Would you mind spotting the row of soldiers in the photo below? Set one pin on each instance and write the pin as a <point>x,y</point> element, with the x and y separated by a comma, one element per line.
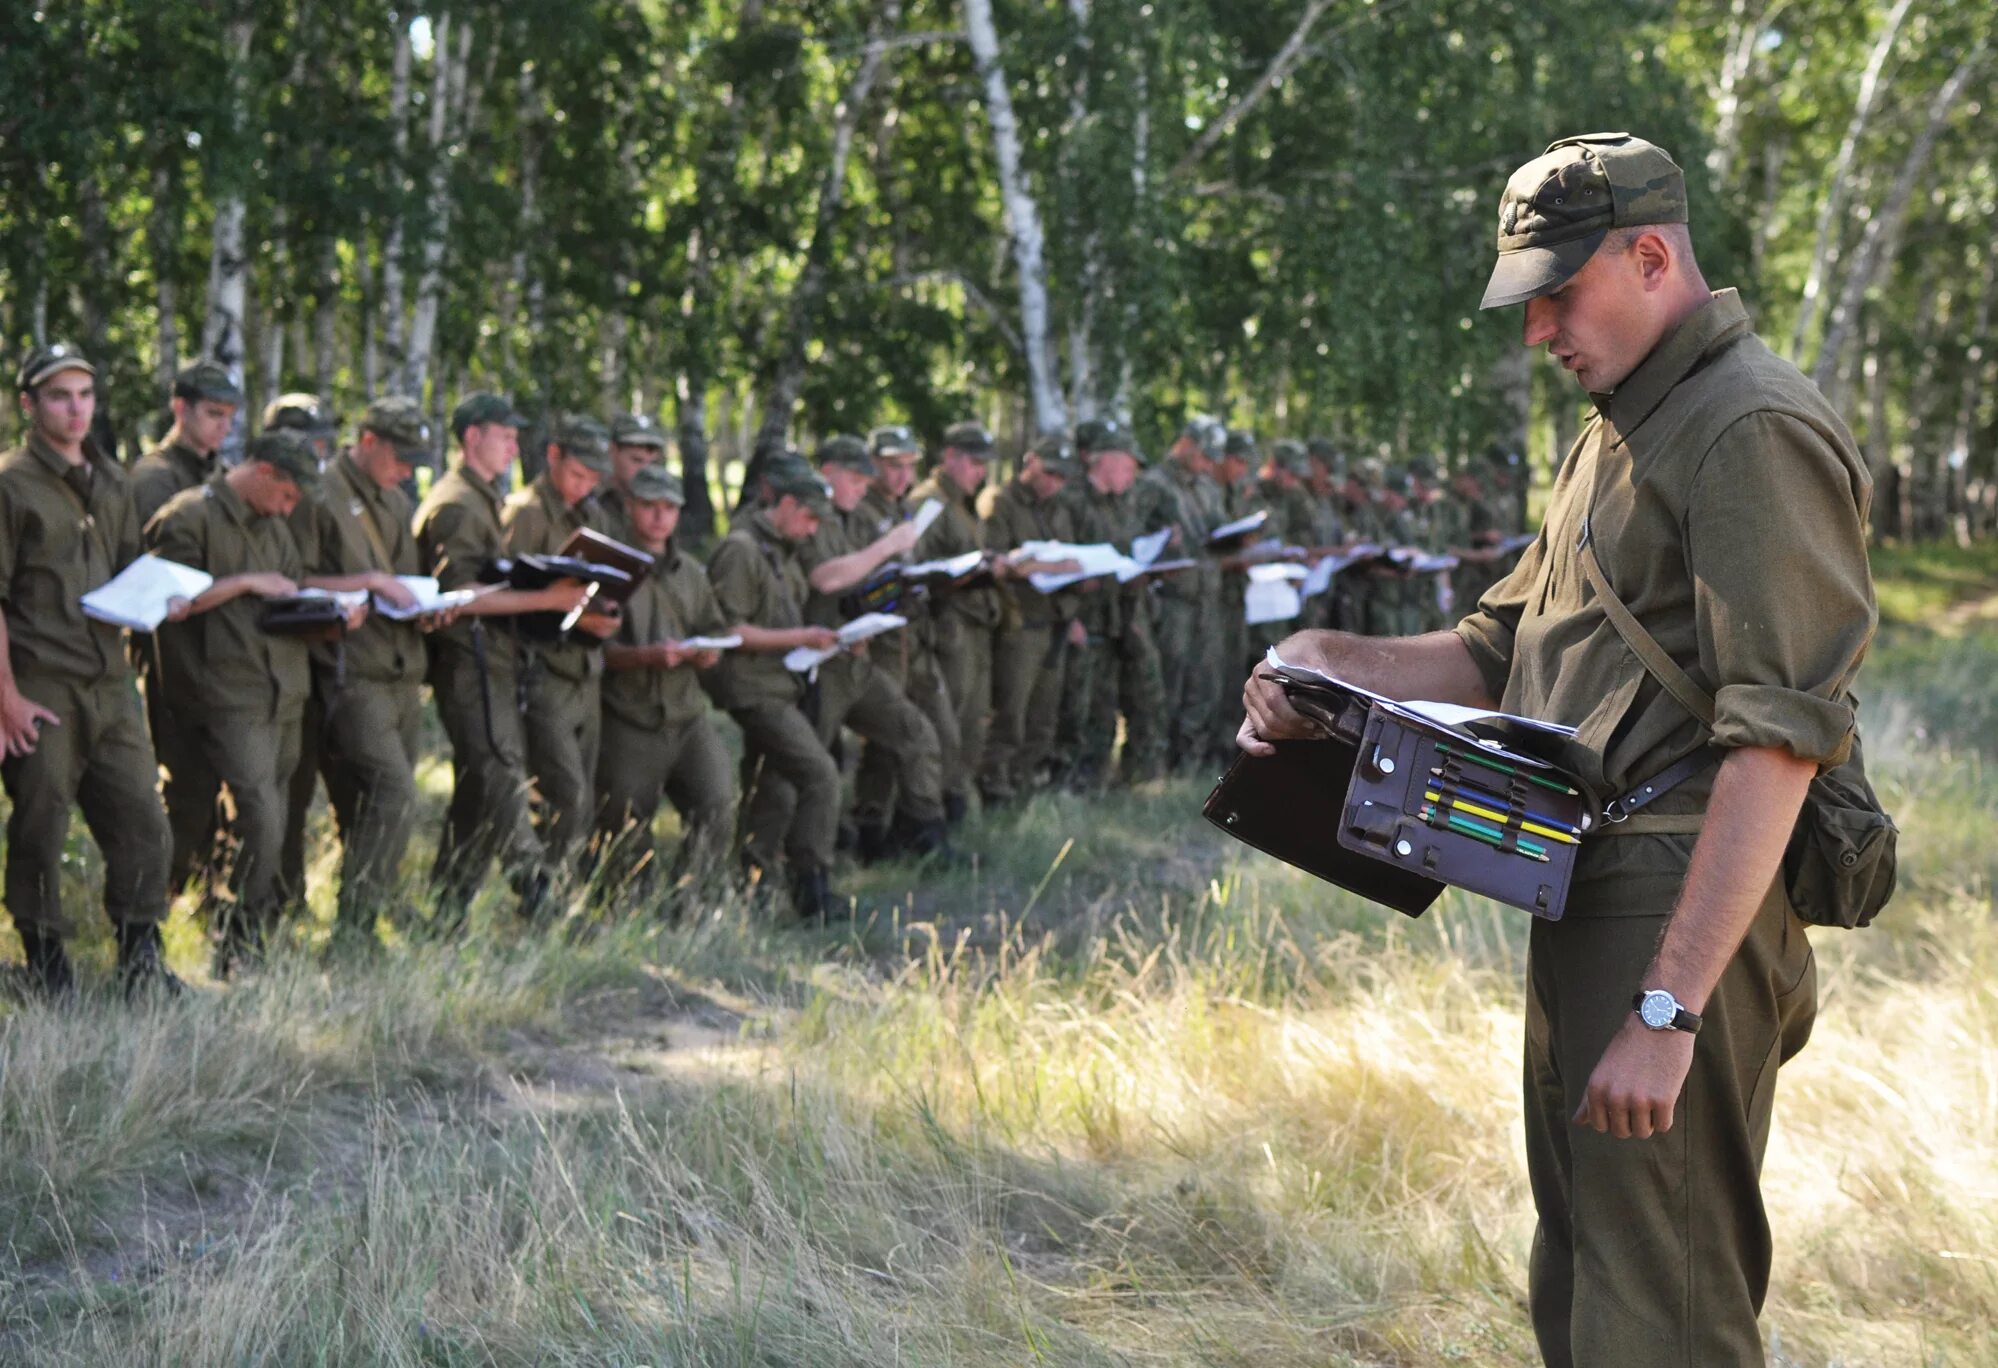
<point>571,724</point>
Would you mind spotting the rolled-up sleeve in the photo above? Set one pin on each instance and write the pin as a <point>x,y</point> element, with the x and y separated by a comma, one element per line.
<point>1783,594</point>
<point>1488,631</point>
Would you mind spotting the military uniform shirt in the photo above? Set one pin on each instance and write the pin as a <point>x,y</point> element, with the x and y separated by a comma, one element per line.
<point>63,532</point>
<point>673,602</point>
<point>352,526</point>
<point>758,580</point>
<point>535,522</point>
<point>220,661</point>
<point>1014,515</point>
<point>457,533</point>
<point>956,531</point>
<point>1727,504</point>
<point>839,534</point>
<point>164,472</point>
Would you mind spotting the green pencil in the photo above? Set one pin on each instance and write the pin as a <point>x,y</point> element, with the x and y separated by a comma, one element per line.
<point>1466,827</point>
<point>1475,758</point>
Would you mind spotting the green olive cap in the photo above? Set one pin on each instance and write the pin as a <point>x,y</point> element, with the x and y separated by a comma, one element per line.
<point>300,412</point>
<point>483,407</point>
<point>893,439</point>
<point>1241,443</point>
<point>288,451</point>
<point>584,439</point>
<point>207,380</point>
<point>844,449</point>
<point>789,473</point>
<point>1099,435</point>
<point>1209,434</point>
<point>44,363</point>
<point>1326,452</point>
<point>635,429</point>
<point>402,424</point>
<point>1422,467</point>
<point>650,483</point>
<point>973,439</point>
<point>1289,454</point>
<point>1558,208</point>
<point>1057,456</point>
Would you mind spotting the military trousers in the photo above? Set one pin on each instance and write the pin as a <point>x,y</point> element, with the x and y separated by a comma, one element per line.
<point>304,784</point>
<point>790,789</point>
<point>1126,680</point>
<point>368,750</point>
<point>98,759</point>
<point>854,694</point>
<point>488,817</point>
<point>964,655</point>
<point>909,661</point>
<point>190,788</point>
<point>684,762</point>
<point>1020,656</point>
<point>252,751</point>
<point>1187,666</point>
<point>564,733</point>
<point>1655,1252</point>
<point>1231,660</point>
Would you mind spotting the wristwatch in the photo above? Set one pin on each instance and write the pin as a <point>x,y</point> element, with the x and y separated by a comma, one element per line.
<point>1660,1011</point>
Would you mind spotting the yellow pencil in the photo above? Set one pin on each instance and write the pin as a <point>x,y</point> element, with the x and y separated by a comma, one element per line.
<point>1491,815</point>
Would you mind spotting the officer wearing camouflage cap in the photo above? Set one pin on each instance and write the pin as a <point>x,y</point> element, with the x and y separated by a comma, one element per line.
<point>790,819</point>
<point>854,691</point>
<point>563,678</point>
<point>366,703</point>
<point>70,730</point>
<point>1039,634</point>
<point>1713,492</point>
<point>1182,493</point>
<point>963,620</point>
<point>474,667</point>
<point>306,414</point>
<point>239,691</point>
<point>659,734</point>
<point>1229,644</point>
<point>636,441</point>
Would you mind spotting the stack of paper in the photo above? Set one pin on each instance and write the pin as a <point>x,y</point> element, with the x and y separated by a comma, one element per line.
<point>1241,527</point>
<point>956,567</point>
<point>1518,738</point>
<point>1095,559</point>
<point>349,599</point>
<point>860,629</point>
<point>429,599</point>
<point>137,596</point>
<point>1272,594</point>
<point>709,643</point>
<point>931,510</point>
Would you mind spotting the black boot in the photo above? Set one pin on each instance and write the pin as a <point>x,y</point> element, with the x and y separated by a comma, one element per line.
<point>872,844</point>
<point>955,807</point>
<point>812,897</point>
<point>931,841</point>
<point>142,964</point>
<point>48,964</point>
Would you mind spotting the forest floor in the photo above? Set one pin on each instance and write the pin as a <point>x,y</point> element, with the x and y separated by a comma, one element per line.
<point>1118,1092</point>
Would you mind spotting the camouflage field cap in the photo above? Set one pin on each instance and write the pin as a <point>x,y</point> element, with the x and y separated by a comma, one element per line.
<point>1241,444</point>
<point>790,474</point>
<point>1422,467</point>
<point>288,451</point>
<point>401,423</point>
<point>651,483</point>
<point>1326,452</point>
<point>635,429</point>
<point>893,439</point>
<point>44,363</point>
<point>973,439</point>
<point>843,449</point>
<point>483,407</point>
<point>299,412</point>
<point>1099,435</point>
<point>584,439</point>
<point>207,380</point>
<point>1289,454</point>
<point>1558,208</point>
<point>1057,456</point>
<point>1369,470</point>
<point>1209,434</point>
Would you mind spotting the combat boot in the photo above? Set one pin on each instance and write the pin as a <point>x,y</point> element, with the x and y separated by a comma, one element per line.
<point>142,966</point>
<point>955,806</point>
<point>49,973</point>
<point>872,845</point>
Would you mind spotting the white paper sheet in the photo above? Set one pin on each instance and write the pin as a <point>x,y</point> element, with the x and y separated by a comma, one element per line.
<point>1240,526</point>
<point>1095,559</point>
<point>710,643</point>
<point>1453,715</point>
<point>862,628</point>
<point>137,596</point>
<point>1320,578</point>
<point>349,599</point>
<point>931,510</point>
<point>1421,562</point>
<point>954,567</point>
<point>429,598</point>
<point>1146,549</point>
<point>1271,595</point>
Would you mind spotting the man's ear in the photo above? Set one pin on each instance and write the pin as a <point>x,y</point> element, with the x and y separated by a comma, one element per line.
<point>1655,257</point>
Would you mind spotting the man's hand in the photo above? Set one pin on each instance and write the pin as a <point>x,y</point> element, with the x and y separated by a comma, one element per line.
<point>601,623</point>
<point>818,638</point>
<point>357,615</point>
<point>179,608</point>
<point>1270,718</point>
<point>562,596</point>
<point>1078,635</point>
<point>20,720</point>
<point>1637,1082</point>
<point>900,539</point>
<point>668,655</point>
<point>703,660</point>
<point>268,585</point>
<point>392,590</point>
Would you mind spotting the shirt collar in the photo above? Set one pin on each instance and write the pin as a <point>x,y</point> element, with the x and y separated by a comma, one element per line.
<point>1716,324</point>
<point>356,480</point>
<point>220,490</point>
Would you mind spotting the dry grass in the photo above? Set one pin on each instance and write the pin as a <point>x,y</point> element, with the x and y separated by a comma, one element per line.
<point>1190,1110</point>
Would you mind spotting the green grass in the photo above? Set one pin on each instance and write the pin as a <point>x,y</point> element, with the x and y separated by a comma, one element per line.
<point>1116,1092</point>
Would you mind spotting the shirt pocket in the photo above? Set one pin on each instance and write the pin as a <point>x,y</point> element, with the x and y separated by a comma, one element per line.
<point>1623,674</point>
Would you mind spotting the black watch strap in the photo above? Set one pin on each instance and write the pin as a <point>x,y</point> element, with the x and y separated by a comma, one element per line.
<point>1683,1020</point>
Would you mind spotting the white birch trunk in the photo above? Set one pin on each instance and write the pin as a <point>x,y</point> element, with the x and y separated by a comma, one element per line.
<point>228,270</point>
<point>390,334</point>
<point>1023,219</point>
<point>1824,251</point>
<point>1141,175</point>
<point>163,245</point>
<point>447,110</point>
<point>1885,224</point>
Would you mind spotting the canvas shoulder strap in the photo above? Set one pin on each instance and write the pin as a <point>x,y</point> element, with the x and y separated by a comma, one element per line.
<point>1643,645</point>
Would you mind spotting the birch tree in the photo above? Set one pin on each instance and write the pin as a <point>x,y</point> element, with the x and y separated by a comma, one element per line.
<point>447,115</point>
<point>228,274</point>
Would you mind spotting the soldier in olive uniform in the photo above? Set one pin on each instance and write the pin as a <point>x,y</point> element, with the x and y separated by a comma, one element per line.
<point>635,443</point>
<point>1124,674</point>
<point>1394,605</point>
<point>240,689</point>
<point>474,667</point>
<point>853,691</point>
<point>659,737</point>
<point>1280,485</point>
<point>362,732</point>
<point>1326,465</point>
<point>563,674</point>
<point>964,619</point>
<point>1041,632</point>
<point>1182,493</point>
<point>204,402</point>
<point>910,655</point>
<point>1352,588</point>
<point>790,825</point>
<point>1230,644</point>
<point>70,728</point>
<point>1718,492</point>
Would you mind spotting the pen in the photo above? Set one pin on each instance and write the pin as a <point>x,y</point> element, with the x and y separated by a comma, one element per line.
<point>1474,758</point>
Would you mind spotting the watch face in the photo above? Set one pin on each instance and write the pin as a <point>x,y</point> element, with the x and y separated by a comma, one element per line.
<point>1658,1010</point>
